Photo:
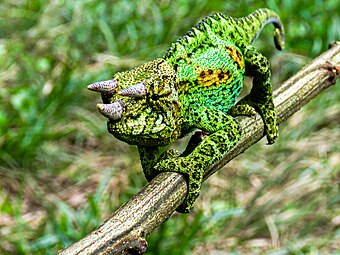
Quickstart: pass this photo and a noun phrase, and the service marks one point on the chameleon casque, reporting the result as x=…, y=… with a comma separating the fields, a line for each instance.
x=194, y=86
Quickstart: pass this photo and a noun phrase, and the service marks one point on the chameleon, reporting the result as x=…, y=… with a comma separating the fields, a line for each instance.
x=194, y=86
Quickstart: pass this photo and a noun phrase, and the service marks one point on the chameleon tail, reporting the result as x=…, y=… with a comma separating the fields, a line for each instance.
x=254, y=23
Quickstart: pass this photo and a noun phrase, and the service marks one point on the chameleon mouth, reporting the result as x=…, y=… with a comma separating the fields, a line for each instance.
x=141, y=125
x=141, y=134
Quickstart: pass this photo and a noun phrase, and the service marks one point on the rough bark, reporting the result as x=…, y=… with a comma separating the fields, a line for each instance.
x=124, y=231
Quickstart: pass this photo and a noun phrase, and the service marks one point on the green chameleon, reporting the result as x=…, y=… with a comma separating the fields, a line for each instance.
x=194, y=86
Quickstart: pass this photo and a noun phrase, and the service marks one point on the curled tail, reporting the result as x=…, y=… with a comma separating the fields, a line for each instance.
x=254, y=23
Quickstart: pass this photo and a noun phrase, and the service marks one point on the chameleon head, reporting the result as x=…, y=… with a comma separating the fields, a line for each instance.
x=142, y=104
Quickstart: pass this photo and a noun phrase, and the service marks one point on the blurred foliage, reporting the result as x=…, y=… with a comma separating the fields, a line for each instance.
x=62, y=173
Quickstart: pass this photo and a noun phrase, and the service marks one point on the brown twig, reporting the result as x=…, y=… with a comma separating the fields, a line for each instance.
x=124, y=231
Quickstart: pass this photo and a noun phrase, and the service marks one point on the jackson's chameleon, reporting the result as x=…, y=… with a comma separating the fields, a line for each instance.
x=193, y=86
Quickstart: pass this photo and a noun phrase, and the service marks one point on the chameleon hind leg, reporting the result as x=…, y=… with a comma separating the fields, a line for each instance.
x=224, y=134
x=260, y=97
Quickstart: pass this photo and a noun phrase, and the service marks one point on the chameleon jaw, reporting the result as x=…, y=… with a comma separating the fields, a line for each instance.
x=141, y=132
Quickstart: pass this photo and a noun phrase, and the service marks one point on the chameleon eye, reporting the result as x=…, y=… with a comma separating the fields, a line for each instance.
x=155, y=97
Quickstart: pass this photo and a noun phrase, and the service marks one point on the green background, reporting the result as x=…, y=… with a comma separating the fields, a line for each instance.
x=62, y=174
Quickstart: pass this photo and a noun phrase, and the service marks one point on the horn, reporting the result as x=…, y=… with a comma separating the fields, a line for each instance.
x=108, y=86
x=137, y=90
x=112, y=111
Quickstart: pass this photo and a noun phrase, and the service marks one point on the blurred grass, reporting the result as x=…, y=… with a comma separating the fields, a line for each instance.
x=62, y=173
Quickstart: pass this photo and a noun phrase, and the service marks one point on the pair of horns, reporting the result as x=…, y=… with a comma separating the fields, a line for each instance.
x=110, y=86
x=115, y=110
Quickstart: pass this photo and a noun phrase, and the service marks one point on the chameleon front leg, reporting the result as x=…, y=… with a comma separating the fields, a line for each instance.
x=260, y=97
x=224, y=134
x=148, y=158
x=150, y=155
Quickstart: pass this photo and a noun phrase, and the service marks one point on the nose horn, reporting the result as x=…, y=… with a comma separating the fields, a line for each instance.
x=112, y=111
x=108, y=86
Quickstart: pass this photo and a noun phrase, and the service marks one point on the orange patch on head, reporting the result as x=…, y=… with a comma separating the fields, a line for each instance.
x=236, y=56
x=210, y=77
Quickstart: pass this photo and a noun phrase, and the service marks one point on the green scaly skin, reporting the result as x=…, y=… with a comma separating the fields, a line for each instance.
x=194, y=86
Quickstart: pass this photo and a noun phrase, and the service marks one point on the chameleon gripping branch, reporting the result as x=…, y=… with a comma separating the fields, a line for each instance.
x=194, y=86
x=125, y=230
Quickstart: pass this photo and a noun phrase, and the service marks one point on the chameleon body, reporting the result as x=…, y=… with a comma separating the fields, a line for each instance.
x=194, y=86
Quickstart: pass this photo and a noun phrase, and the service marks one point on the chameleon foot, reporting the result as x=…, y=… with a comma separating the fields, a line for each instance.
x=149, y=172
x=194, y=173
x=268, y=115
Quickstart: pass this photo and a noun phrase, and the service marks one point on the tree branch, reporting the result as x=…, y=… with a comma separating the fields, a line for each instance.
x=124, y=231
